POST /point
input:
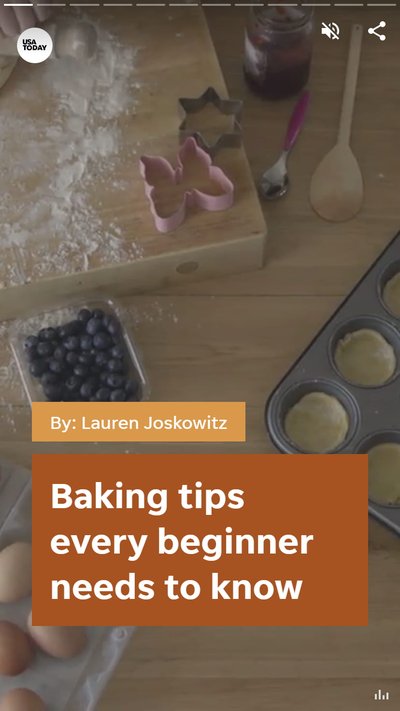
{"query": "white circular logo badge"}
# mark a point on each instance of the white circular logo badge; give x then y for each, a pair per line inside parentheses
(35, 45)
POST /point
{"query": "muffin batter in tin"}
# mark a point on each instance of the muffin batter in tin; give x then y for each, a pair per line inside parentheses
(384, 474)
(364, 357)
(391, 294)
(317, 423)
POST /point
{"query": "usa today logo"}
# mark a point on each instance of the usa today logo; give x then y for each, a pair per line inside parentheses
(35, 45)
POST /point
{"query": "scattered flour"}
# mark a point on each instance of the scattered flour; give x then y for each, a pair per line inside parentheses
(57, 158)
(153, 312)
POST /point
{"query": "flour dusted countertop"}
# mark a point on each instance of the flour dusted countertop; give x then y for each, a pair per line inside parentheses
(73, 212)
(62, 138)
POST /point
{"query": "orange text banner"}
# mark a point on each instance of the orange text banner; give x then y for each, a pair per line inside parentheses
(200, 539)
(139, 422)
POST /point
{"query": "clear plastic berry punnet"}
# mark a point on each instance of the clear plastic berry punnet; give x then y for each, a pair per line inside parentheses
(59, 316)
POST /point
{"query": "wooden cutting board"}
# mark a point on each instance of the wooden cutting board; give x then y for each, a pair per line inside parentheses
(176, 58)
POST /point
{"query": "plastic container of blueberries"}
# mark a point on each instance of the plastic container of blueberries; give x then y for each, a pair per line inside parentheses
(57, 316)
(374, 412)
(76, 684)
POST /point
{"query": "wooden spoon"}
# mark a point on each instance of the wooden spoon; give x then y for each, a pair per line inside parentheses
(336, 191)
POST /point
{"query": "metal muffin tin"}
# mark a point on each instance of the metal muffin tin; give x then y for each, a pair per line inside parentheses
(374, 412)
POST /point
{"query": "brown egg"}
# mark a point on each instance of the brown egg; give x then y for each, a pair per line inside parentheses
(15, 572)
(59, 642)
(16, 651)
(21, 700)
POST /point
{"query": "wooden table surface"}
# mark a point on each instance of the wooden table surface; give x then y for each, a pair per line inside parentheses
(233, 339)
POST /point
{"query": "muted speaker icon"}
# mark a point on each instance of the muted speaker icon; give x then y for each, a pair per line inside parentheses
(331, 30)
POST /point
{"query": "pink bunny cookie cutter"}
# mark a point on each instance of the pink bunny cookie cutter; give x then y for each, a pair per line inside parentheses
(156, 170)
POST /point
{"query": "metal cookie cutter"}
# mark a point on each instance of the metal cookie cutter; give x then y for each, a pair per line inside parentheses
(156, 168)
(228, 107)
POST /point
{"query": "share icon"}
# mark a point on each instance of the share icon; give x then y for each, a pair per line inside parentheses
(373, 31)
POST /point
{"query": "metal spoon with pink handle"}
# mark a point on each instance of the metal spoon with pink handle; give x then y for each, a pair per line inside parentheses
(274, 182)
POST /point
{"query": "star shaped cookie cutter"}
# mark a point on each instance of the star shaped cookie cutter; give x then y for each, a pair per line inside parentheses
(228, 107)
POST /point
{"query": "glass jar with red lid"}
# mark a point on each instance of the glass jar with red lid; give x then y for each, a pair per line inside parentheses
(278, 50)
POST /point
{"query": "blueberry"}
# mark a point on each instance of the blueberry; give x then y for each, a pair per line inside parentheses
(60, 353)
(118, 352)
(53, 391)
(95, 325)
(118, 396)
(87, 389)
(93, 380)
(56, 366)
(73, 383)
(45, 349)
(38, 367)
(71, 343)
(98, 313)
(102, 341)
(81, 370)
(115, 381)
(135, 397)
(132, 386)
(86, 342)
(49, 378)
(115, 365)
(85, 358)
(84, 315)
(47, 334)
(73, 328)
(101, 359)
(113, 326)
(103, 394)
(103, 377)
(30, 342)
(72, 358)
(32, 353)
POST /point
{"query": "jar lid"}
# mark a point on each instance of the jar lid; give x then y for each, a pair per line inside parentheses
(282, 18)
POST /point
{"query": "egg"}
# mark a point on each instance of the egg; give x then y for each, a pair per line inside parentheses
(16, 650)
(59, 642)
(21, 700)
(15, 572)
